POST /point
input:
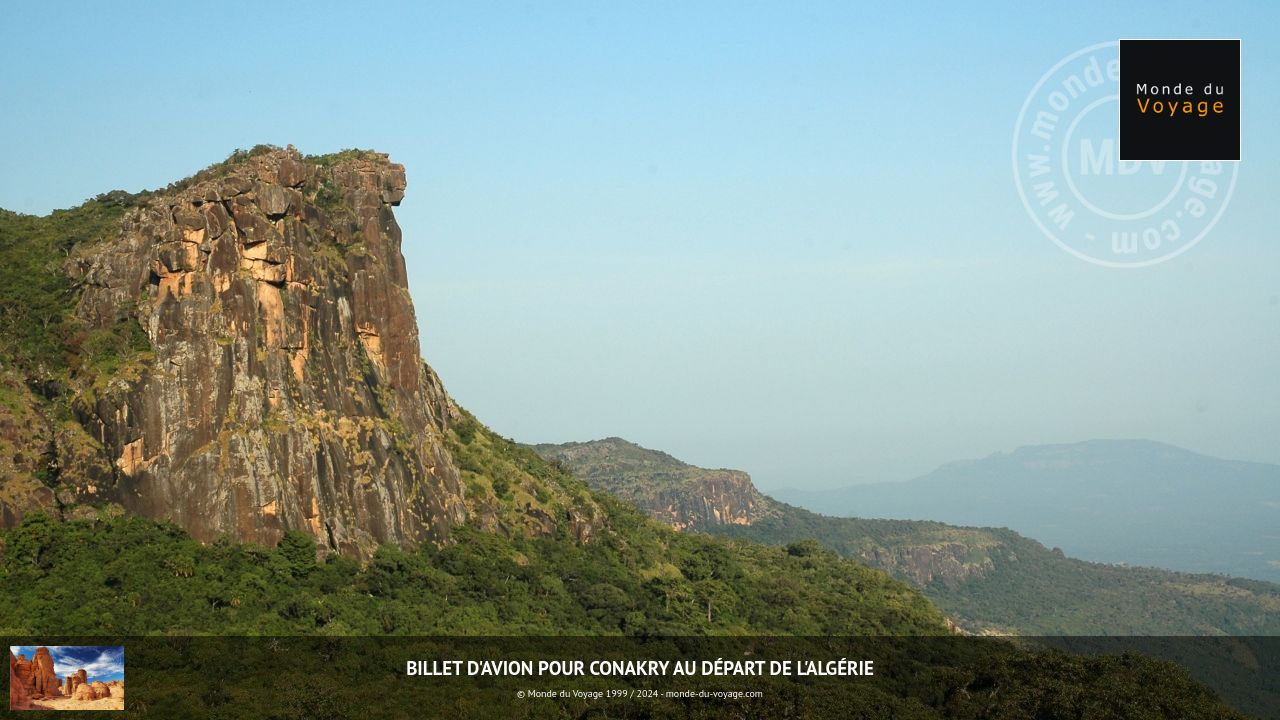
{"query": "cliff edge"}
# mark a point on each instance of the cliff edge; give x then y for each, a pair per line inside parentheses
(243, 360)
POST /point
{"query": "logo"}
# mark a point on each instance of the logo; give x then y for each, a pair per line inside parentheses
(1083, 197)
(1180, 99)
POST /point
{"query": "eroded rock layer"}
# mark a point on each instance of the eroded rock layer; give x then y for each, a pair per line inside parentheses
(282, 386)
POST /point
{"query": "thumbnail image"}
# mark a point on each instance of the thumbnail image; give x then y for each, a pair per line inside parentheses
(66, 677)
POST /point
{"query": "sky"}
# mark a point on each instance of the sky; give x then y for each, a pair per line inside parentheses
(101, 663)
(781, 237)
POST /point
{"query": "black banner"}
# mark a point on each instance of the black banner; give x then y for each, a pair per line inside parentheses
(330, 678)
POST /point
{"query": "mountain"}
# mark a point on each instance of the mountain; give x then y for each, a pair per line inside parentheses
(214, 420)
(191, 376)
(237, 354)
(678, 494)
(1117, 501)
(986, 579)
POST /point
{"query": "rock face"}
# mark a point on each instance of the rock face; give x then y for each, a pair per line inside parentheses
(948, 564)
(241, 358)
(44, 681)
(22, 668)
(282, 385)
(681, 495)
(715, 497)
(35, 677)
(19, 696)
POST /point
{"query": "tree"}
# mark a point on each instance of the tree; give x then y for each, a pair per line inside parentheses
(299, 549)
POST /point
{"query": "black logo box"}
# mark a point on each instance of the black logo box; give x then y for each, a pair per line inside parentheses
(1187, 68)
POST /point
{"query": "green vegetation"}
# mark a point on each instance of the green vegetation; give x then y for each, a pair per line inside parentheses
(126, 575)
(38, 333)
(236, 158)
(129, 576)
(1118, 501)
(623, 468)
(1037, 591)
(1028, 589)
(513, 484)
(552, 559)
(542, 556)
(329, 160)
(988, 580)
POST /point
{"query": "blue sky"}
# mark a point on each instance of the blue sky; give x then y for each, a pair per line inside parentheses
(100, 662)
(783, 237)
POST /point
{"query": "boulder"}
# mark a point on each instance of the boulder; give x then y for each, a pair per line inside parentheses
(291, 173)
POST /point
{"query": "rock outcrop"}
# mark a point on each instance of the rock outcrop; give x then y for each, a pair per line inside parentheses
(35, 678)
(948, 563)
(682, 495)
(19, 697)
(22, 669)
(74, 680)
(277, 383)
(243, 360)
(84, 691)
(44, 680)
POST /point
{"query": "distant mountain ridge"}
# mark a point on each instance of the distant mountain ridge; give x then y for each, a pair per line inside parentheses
(987, 579)
(1135, 502)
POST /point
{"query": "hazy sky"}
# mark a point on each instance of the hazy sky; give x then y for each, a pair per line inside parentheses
(780, 236)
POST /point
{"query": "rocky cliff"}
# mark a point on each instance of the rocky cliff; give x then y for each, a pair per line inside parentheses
(947, 563)
(683, 496)
(243, 360)
(19, 698)
(33, 679)
(283, 386)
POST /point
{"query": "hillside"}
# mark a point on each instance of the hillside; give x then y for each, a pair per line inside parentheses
(1117, 501)
(678, 494)
(114, 575)
(215, 421)
(986, 579)
(237, 354)
(196, 375)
